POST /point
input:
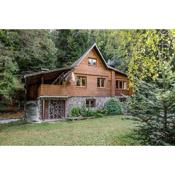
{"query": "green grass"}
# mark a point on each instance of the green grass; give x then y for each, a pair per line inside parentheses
(111, 130)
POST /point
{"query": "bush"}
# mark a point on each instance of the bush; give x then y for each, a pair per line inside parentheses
(75, 112)
(113, 107)
(86, 112)
(98, 115)
(102, 111)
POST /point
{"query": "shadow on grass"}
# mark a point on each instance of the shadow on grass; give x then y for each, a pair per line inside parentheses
(15, 123)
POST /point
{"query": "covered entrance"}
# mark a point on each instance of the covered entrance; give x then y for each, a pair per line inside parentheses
(52, 107)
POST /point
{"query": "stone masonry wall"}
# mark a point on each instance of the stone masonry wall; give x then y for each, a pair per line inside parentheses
(80, 101)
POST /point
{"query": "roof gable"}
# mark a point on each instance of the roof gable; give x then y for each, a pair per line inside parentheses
(95, 47)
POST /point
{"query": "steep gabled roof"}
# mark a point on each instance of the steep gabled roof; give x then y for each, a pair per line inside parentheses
(94, 46)
(77, 62)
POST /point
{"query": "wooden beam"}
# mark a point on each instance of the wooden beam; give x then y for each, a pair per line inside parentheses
(42, 80)
(59, 76)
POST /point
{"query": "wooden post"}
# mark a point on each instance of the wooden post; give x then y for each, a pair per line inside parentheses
(43, 109)
(112, 83)
(42, 80)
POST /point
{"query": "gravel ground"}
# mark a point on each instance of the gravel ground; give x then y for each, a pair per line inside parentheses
(8, 120)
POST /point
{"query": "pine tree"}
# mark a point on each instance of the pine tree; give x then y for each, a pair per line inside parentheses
(154, 104)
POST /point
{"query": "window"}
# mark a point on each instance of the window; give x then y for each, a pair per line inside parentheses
(92, 62)
(90, 102)
(100, 82)
(81, 81)
(121, 84)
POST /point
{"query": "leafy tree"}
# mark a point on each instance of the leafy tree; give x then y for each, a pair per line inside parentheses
(147, 49)
(23, 50)
(153, 101)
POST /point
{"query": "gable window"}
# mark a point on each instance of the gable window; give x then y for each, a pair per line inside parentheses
(100, 82)
(121, 84)
(90, 102)
(92, 62)
(81, 81)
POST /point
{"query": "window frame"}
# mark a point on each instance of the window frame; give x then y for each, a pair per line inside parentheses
(101, 78)
(121, 85)
(90, 103)
(80, 78)
(89, 58)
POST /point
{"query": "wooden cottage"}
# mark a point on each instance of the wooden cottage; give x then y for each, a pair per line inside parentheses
(88, 81)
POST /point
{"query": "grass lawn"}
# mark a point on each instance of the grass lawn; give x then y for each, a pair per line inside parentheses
(111, 130)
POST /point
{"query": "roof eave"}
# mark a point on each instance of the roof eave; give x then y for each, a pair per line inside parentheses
(45, 72)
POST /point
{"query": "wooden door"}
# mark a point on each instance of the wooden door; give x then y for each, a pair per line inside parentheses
(56, 109)
(44, 109)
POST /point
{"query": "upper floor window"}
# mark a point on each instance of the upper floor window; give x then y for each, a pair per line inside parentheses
(81, 81)
(100, 82)
(121, 84)
(92, 62)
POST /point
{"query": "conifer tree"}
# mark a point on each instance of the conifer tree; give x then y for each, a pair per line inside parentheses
(154, 104)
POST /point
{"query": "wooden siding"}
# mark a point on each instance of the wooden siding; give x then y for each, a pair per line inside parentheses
(91, 73)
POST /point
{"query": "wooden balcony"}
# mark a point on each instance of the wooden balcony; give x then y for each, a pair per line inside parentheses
(52, 90)
(61, 90)
(71, 90)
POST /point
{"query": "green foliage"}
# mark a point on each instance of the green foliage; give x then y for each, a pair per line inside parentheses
(8, 80)
(86, 112)
(36, 50)
(102, 111)
(70, 45)
(147, 49)
(82, 111)
(98, 115)
(21, 51)
(75, 111)
(153, 103)
(153, 73)
(113, 107)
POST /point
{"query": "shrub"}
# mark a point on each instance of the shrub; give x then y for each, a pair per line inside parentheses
(102, 111)
(86, 112)
(75, 112)
(98, 115)
(113, 107)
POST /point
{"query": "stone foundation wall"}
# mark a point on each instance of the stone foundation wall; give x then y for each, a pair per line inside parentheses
(34, 108)
(80, 101)
(32, 111)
